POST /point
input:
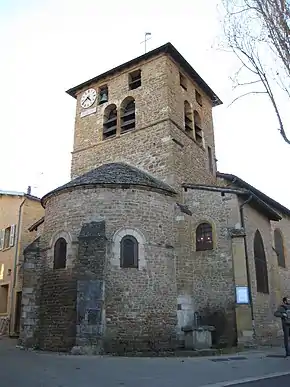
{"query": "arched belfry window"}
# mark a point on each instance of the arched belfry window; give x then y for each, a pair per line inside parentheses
(129, 252)
(127, 115)
(260, 264)
(197, 127)
(279, 247)
(204, 240)
(110, 122)
(188, 119)
(60, 251)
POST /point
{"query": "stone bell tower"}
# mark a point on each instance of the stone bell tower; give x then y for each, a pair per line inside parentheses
(153, 112)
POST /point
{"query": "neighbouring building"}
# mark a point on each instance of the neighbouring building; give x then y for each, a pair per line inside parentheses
(147, 233)
(17, 212)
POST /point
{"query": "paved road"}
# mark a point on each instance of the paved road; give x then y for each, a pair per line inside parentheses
(20, 368)
(272, 382)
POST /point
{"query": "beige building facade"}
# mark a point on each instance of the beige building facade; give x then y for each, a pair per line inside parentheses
(17, 212)
(147, 237)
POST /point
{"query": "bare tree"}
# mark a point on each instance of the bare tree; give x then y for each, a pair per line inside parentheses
(258, 32)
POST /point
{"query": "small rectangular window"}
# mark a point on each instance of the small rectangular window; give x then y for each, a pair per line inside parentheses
(103, 94)
(12, 235)
(7, 237)
(198, 98)
(210, 160)
(2, 233)
(135, 79)
(183, 81)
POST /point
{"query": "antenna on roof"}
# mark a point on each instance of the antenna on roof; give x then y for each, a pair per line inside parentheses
(146, 39)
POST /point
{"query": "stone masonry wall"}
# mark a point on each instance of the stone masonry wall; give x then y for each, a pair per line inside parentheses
(90, 272)
(152, 94)
(57, 312)
(284, 273)
(148, 149)
(189, 161)
(267, 326)
(207, 276)
(140, 304)
(176, 97)
(31, 294)
(150, 102)
(48, 317)
(152, 145)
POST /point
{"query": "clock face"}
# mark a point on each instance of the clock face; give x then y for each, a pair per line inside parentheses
(88, 98)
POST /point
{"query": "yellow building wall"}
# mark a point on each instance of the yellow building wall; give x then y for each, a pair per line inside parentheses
(32, 211)
(22, 212)
(9, 208)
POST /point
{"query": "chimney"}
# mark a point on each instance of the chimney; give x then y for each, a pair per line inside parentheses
(29, 190)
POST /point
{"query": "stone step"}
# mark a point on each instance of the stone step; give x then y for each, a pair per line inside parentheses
(176, 353)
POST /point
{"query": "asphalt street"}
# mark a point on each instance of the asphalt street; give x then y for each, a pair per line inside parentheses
(277, 382)
(21, 368)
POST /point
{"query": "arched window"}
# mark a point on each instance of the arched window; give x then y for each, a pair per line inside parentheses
(110, 122)
(129, 252)
(127, 115)
(60, 249)
(188, 120)
(197, 127)
(204, 239)
(279, 247)
(260, 264)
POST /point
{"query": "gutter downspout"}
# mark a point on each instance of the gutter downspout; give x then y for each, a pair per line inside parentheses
(247, 263)
(15, 264)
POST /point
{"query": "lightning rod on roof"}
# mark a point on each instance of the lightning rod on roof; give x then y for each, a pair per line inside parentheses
(147, 37)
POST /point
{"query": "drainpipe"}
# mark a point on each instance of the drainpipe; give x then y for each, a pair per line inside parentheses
(15, 264)
(247, 263)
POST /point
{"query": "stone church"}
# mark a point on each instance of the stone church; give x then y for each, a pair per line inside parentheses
(148, 235)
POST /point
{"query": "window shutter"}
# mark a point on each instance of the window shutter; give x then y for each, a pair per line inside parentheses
(2, 232)
(12, 235)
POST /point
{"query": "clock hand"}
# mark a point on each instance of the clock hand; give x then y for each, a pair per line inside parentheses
(86, 99)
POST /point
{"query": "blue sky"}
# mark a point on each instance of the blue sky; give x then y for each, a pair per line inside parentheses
(49, 46)
(12, 7)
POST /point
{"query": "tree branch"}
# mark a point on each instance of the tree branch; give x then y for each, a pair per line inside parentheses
(248, 83)
(244, 95)
(255, 29)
